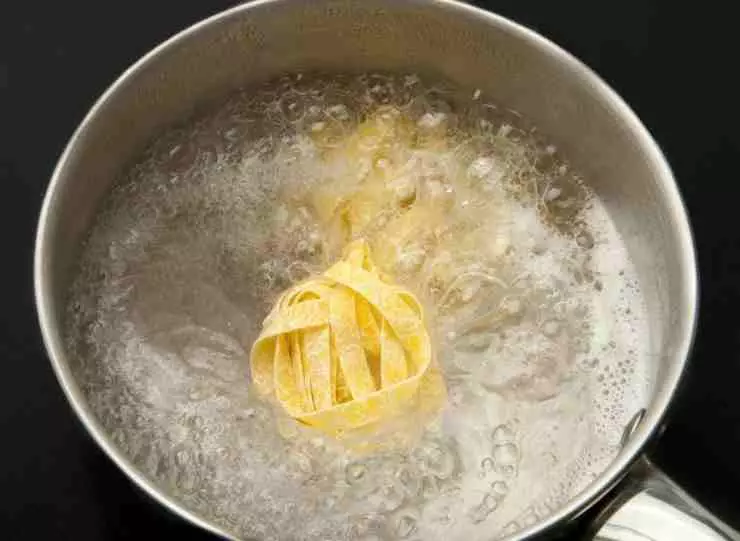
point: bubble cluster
(531, 298)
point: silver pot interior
(511, 66)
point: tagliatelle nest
(346, 349)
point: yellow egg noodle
(346, 349)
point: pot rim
(53, 341)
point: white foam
(214, 222)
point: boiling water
(532, 302)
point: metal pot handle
(652, 507)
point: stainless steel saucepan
(477, 50)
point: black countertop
(674, 63)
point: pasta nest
(346, 349)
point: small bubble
(409, 482)
(338, 112)
(391, 497)
(480, 167)
(479, 513)
(363, 526)
(292, 106)
(530, 518)
(440, 193)
(318, 443)
(411, 80)
(499, 488)
(504, 130)
(382, 163)
(507, 471)
(439, 460)
(380, 91)
(490, 502)
(302, 464)
(502, 434)
(468, 292)
(355, 472)
(430, 121)
(404, 522)
(429, 487)
(505, 455)
(585, 240)
(552, 194)
(511, 307)
(182, 457)
(474, 342)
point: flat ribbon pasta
(346, 349)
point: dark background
(675, 64)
